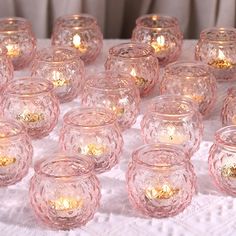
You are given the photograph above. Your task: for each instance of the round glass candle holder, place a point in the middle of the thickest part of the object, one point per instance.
(63, 67)
(193, 80)
(16, 152)
(33, 103)
(138, 60)
(162, 33)
(173, 119)
(17, 36)
(116, 92)
(81, 32)
(94, 134)
(6, 67)
(217, 48)
(222, 159)
(228, 111)
(64, 192)
(160, 180)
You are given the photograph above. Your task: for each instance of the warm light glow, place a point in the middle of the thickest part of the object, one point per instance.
(77, 42)
(195, 97)
(93, 149)
(172, 136)
(13, 50)
(160, 44)
(58, 79)
(30, 117)
(119, 111)
(163, 192)
(139, 81)
(66, 204)
(229, 171)
(6, 161)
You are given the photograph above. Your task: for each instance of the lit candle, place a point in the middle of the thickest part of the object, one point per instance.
(66, 204)
(93, 149)
(197, 98)
(13, 50)
(163, 192)
(139, 81)
(221, 62)
(229, 171)
(172, 136)
(30, 117)
(78, 44)
(58, 79)
(6, 161)
(159, 45)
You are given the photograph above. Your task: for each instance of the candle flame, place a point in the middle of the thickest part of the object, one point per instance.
(133, 72)
(76, 40)
(30, 117)
(92, 149)
(221, 55)
(13, 50)
(58, 80)
(66, 204)
(6, 161)
(161, 41)
(139, 81)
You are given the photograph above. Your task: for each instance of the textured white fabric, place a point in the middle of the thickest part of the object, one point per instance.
(210, 213)
(117, 17)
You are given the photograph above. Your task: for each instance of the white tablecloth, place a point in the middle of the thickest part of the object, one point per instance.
(210, 213)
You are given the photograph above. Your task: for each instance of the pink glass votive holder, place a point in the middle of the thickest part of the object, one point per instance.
(222, 159)
(64, 192)
(228, 111)
(16, 152)
(173, 119)
(17, 36)
(63, 67)
(160, 179)
(193, 80)
(93, 133)
(81, 32)
(6, 67)
(116, 92)
(33, 103)
(217, 48)
(162, 33)
(138, 60)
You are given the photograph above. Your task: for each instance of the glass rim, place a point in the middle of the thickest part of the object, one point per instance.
(28, 25)
(15, 125)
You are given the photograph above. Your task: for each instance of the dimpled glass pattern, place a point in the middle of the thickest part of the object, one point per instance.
(33, 103)
(138, 60)
(162, 33)
(81, 32)
(193, 80)
(17, 36)
(217, 48)
(160, 180)
(63, 67)
(15, 152)
(93, 133)
(64, 192)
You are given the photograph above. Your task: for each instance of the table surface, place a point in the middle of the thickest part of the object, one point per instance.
(210, 213)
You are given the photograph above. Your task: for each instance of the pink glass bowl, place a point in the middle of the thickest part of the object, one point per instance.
(162, 33)
(173, 119)
(116, 92)
(17, 36)
(160, 180)
(94, 134)
(228, 112)
(81, 32)
(6, 67)
(33, 103)
(138, 60)
(63, 67)
(222, 159)
(15, 152)
(193, 80)
(217, 48)
(64, 192)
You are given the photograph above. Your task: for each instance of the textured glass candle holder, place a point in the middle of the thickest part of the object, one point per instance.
(173, 119)
(116, 92)
(217, 48)
(15, 152)
(193, 80)
(138, 60)
(81, 32)
(160, 180)
(17, 36)
(93, 133)
(6, 67)
(162, 33)
(33, 103)
(64, 192)
(222, 159)
(63, 67)
(228, 112)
